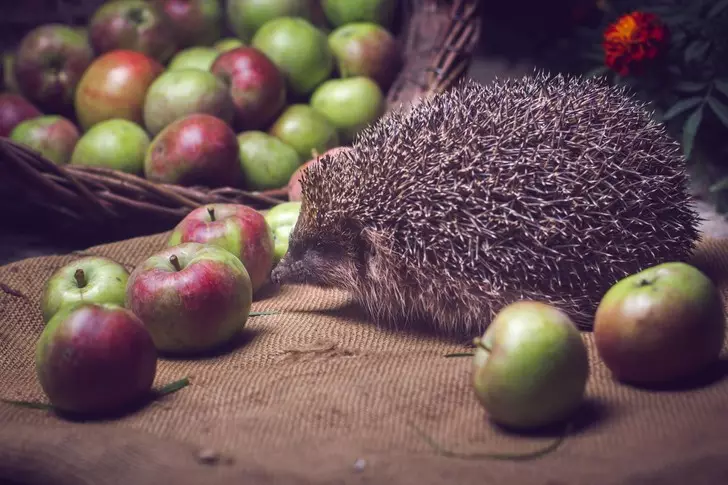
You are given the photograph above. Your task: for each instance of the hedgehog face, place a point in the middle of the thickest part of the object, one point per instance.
(320, 258)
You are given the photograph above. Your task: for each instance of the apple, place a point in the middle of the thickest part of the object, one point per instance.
(306, 130)
(14, 108)
(246, 17)
(299, 49)
(366, 49)
(257, 87)
(194, 22)
(114, 86)
(132, 25)
(530, 367)
(95, 358)
(294, 183)
(660, 325)
(342, 12)
(91, 279)
(117, 144)
(193, 297)
(179, 93)
(49, 63)
(198, 149)
(228, 44)
(350, 104)
(52, 136)
(193, 58)
(239, 229)
(281, 219)
(267, 162)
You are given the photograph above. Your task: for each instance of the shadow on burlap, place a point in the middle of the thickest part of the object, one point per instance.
(318, 395)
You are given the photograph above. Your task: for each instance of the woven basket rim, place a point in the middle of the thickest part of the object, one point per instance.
(438, 38)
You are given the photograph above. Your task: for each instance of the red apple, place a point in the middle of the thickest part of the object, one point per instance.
(195, 22)
(257, 87)
(198, 149)
(49, 64)
(240, 229)
(95, 358)
(133, 25)
(14, 108)
(660, 325)
(53, 136)
(192, 297)
(114, 86)
(294, 184)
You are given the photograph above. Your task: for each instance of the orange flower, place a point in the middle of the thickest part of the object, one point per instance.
(632, 40)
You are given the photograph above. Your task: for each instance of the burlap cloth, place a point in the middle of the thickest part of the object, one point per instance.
(318, 395)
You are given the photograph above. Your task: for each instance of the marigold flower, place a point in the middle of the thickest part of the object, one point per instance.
(633, 40)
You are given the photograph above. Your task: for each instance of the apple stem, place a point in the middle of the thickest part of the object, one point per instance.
(80, 278)
(175, 262)
(478, 342)
(211, 211)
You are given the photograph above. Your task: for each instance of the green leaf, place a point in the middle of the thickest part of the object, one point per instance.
(681, 106)
(260, 314)
(721, 85)
(690, 130)
(172, 387)
(720, 185)
(717, 8)
(597, 71)
(690, 87)
(697, 50)
(719, 108)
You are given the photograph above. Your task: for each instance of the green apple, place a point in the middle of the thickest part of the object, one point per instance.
(366, 49)
(306, 130)
(194, 58)
(530, 367)
(350, 104)
(246, 17)
(91, 279)
(179, 93)
(281, 219)
(116, 143)
(228, 44)
(342, 12)
(660, 325)
(267, 162)
(52, 136)
(299, 49)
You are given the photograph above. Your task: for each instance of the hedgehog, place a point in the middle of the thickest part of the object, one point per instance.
(546, 187)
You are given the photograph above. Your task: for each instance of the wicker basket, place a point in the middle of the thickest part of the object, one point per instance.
(438, 38)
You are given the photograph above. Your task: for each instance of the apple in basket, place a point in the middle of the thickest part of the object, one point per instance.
(53, 136)
(194, 22)
(228, 44)
(257, 87)
(294, 184)
(366, 49)
(14, 108)
(193, 58)
(245, 17)
(91, 279)
(193, 298)
(95, 359)
(530, 367)
(342, 12)
(239, 229)
(660, 325)
(49, 64)
(114, 86)
(134, 25)
(198, 149)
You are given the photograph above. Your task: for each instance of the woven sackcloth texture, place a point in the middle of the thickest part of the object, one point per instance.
(315, 394)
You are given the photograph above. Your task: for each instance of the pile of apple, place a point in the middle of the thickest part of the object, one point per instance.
(658, 328)
(106, 328)
(237, 93)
